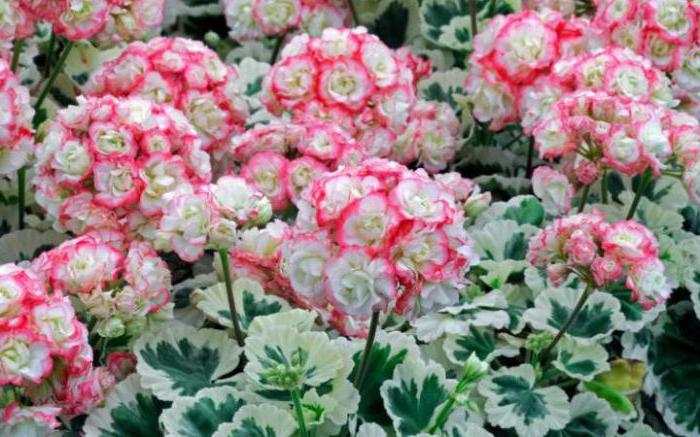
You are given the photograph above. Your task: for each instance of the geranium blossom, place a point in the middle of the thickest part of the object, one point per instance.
(16, 133)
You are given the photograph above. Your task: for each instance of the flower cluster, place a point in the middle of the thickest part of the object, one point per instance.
(16, 134)
(373, 236)
(600, 130)
(183, 73)
(15, 21)
(118, 283)
(209, 216)
(108, 21)
(513, 53)
(111, 163)
(664, 31)
(612, 70)
(253, 19)
(602, 253)
(44, 352)
(351, 78)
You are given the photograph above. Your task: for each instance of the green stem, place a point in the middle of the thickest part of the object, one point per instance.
(584, 198)
(604, 187)
(646, 178)
(353, 12)
(530, 153)
(52, 78)
(223, 255)
(364, 362)
(49, 53)
(472, 15)
(574, 314)
(296, 398)
(443, 415)
(278, 47)
(16, 52)
(21, 192)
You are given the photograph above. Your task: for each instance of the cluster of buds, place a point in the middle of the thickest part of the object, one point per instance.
(254, 19)
(114, 163)
(118, 283)
(45, 357)
(185, 74)
(601, 253)
(16, 134)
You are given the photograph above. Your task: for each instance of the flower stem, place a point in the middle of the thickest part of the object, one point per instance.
(584, 198)
(364, 362)
(643, 184)
(21, 192)
(530, 153)
(296, 398)
(278, 47)
(223, 255)
(49, 53)
(443, 415)
(353, 12)
(16, 52)
(604, 187)
(52, 78)
(574, 314)
(472, 15)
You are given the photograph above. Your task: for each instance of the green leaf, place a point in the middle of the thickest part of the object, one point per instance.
(590, 416)
(259, 421)
(512, 401)
(202, 414)
(180, 360)
(597, 319)
(529, 211)
(675, 368)
(581, 361)
(618, 401)
(481, 341)
(414, 395)
(389, 350)
(129, 410)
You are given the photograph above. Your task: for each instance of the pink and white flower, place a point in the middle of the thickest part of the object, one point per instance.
(553, 188)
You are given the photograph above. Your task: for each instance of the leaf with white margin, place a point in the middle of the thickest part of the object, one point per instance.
(249, 296)
(465, 429)
(310, 356)
(482, 341)
(519, 298)
(589, 416)
(370, 430)
(390, 349)
(635, 316)
(674, 368)
(296, 319)
(498, 272)
(259, 421)
(27, 243)
(184, 311)
(440, 86)
(511, 185)
(579, 360)
(689, 266)
(179, 360)
(642, 430)
(130, 409)
(202, 414)
(512, 401)
(598, 318)
(415, 394)
(486, 310)
(502, 239)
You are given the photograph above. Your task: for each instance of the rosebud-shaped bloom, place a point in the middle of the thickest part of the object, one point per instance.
(630, 243)
(606, 269)
(16, 133)
(107, 158)
(121, 364)
(187, 75)
(648, 283)
(265, 172)
(553, 188)
(16, 22)
(130, 20)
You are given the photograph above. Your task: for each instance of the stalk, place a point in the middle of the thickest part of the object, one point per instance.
(238, 334)
(643, 184)
(584, 198)
(364, 362)
(296, 398)
(577, 309)
(52, 78)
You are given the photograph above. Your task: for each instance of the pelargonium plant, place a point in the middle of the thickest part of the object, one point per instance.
(349, 218)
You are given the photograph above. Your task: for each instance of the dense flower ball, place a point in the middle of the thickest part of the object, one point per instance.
(512, 53)
(185, 74)
(253, 19)
(16, 134)
(107, 159)
(44, 351)
(119, 283)
(350, 78)
(107, 21)
(602, 253)
(377, 235)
